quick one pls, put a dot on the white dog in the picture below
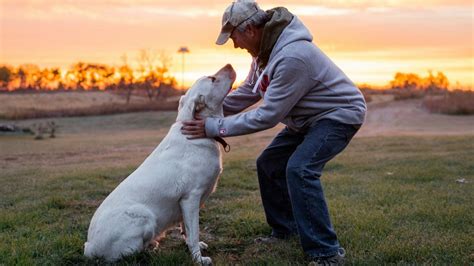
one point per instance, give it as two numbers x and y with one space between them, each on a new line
168 187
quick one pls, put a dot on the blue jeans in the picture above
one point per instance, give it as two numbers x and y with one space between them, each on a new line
289 172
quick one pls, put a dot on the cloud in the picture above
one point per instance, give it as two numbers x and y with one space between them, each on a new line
139 10
365 4
109 11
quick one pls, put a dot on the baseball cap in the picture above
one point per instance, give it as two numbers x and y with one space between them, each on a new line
235 14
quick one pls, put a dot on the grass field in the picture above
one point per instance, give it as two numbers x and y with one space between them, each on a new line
20 106
393 200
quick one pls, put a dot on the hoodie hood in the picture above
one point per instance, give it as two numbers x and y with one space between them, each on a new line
294 32
280 17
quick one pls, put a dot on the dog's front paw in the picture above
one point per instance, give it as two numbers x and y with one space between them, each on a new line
206 260
203 245
153 245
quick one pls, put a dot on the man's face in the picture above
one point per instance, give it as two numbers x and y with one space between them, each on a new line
247 40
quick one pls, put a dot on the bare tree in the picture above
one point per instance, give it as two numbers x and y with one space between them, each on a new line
167 82
22 75
126 82
54 78
53 127
155 78
146 63
39 129
5 77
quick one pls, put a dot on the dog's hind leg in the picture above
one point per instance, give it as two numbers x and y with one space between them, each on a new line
183 230
190 210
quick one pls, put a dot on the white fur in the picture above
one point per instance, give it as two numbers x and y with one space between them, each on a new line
168 187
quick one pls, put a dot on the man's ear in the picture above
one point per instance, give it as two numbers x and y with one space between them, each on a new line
199 104
251 30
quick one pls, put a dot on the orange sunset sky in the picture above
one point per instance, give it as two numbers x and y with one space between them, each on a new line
369 39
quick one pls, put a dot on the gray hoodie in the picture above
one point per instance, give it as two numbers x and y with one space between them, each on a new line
299 86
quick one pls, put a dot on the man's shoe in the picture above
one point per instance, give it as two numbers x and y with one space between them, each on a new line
334 260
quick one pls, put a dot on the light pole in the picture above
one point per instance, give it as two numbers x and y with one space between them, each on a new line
183 50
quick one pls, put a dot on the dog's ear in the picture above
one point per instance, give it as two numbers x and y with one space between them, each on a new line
199 104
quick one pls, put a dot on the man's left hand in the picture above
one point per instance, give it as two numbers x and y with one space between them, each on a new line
194 129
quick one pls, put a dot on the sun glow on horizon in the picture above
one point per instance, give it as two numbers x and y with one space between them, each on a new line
369 40
372 68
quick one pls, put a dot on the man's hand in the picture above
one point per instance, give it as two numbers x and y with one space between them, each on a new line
194 129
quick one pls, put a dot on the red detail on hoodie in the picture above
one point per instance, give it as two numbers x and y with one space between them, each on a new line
264 83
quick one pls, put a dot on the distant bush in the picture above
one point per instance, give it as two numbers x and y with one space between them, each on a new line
413 81
369 90
405 94
367 98
452 103
366 94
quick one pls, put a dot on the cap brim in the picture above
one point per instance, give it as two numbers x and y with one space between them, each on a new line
223 38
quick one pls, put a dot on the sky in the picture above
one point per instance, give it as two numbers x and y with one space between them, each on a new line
370 40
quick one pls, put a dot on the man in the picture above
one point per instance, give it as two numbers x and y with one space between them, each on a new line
321 108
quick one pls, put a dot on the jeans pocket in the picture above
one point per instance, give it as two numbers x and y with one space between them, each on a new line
346 130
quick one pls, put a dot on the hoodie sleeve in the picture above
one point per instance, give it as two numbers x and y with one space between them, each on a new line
290 82
243 96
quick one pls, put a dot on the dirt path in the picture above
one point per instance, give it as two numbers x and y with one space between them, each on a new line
387 117
392 118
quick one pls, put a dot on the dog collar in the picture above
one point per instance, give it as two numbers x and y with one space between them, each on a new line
223 143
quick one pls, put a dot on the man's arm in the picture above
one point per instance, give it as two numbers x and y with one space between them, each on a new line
290 82
242 97
234 103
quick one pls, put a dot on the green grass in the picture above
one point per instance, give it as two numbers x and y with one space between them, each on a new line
393 200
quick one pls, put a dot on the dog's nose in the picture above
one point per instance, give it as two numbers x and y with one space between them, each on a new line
228 67
233 74
230 70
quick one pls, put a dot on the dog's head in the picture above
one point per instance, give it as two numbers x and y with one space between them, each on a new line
207 94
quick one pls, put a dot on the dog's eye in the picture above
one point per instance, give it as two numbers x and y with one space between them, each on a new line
212 78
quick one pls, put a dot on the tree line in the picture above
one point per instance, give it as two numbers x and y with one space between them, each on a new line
150 77
410 81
